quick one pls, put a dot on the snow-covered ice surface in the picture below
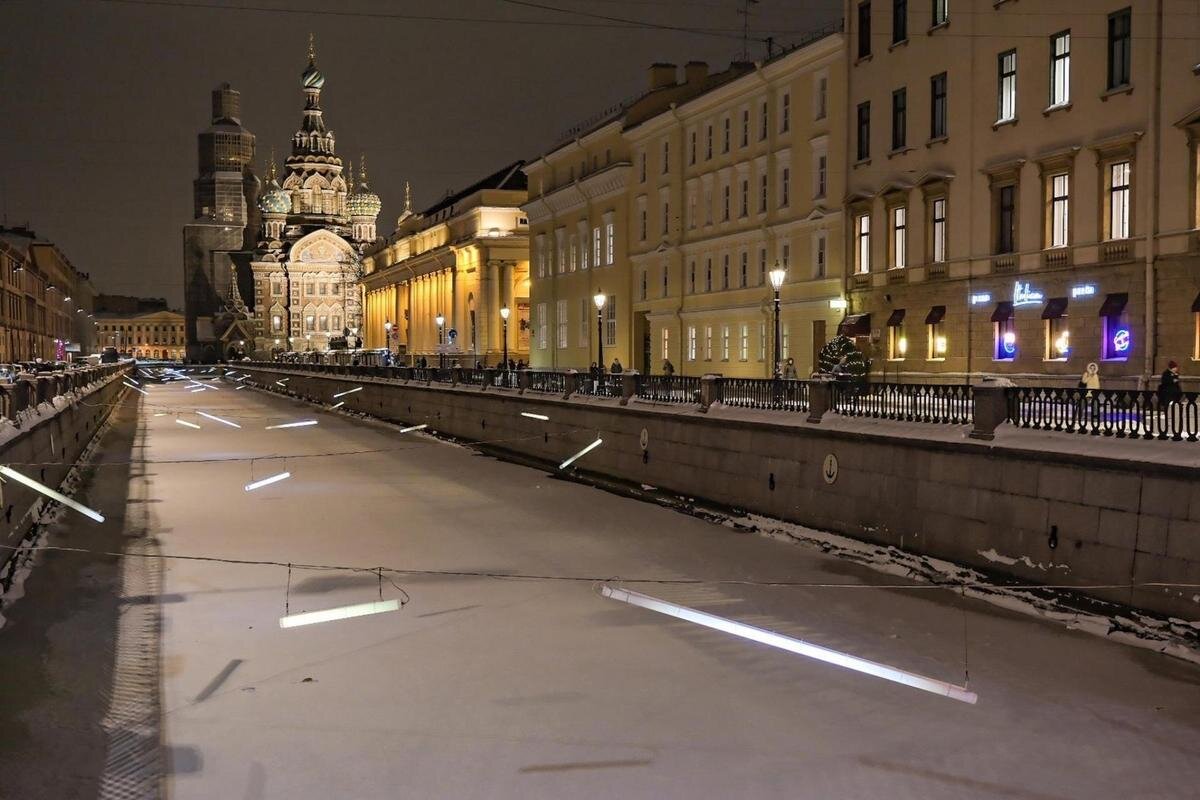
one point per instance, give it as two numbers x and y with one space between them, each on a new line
531 688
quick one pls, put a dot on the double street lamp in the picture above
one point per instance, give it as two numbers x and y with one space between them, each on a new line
777 277
599 299
504 312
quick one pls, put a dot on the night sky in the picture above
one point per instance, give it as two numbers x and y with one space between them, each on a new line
100 102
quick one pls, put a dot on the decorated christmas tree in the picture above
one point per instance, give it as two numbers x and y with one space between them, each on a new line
841 347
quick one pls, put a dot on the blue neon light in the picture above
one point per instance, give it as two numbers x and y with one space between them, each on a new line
1121 340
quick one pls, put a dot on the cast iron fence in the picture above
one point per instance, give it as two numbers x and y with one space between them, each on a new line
947 404
552 382
669 388
777 394
1120 413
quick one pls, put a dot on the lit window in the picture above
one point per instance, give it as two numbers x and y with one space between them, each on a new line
938 231
744 346
1060 69
899 237
1004 334
666 343
1060 200
611 231
1058 339
708 346
897 343
724 342
691 345
1118 193
562 321
863 228
610 321
941 12
1007 100
542 332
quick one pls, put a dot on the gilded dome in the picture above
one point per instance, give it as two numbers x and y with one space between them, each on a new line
275 200
312 77
362 202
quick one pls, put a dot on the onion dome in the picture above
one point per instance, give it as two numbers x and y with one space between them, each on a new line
362 202
274 200
312 77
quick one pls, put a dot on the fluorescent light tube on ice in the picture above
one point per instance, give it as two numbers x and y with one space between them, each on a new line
343 612
46 490
250 487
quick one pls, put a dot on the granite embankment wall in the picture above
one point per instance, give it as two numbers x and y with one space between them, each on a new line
1048 516
48 421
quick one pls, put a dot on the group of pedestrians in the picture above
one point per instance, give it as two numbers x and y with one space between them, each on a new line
1170 390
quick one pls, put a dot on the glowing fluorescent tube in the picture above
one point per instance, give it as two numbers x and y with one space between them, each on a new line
188 424
53 495
215 418
797 646
343 612
129 378
161 414
201 389
348 391
338 404
413 428
136 388
581 453
531 415
300 424
282 382
243 386
247 375
282 476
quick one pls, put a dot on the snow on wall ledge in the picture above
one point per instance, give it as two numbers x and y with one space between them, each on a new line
54 433
1046 517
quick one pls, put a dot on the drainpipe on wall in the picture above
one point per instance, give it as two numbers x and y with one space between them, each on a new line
1148 366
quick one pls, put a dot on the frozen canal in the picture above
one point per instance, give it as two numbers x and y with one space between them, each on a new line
486 687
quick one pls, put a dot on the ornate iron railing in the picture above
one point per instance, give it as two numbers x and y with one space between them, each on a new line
769 393
948 404
471 377
1120 413
669 388
507 379
553 382
604 384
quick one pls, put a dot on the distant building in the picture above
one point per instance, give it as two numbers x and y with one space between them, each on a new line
152 334
465 257
45 302
127 304
302 282
223 229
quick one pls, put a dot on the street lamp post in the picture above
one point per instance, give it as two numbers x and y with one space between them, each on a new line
599 299
504 312
777 276
387 334
441 321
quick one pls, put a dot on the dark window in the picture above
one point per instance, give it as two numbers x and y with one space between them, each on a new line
899 20
864 30
864 131
1120 39
937 115
941 11
1006 220
1006 91
899 118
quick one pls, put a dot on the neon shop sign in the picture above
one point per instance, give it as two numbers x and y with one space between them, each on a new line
1024 295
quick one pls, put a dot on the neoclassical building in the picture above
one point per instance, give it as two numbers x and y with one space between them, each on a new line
315 226
463 259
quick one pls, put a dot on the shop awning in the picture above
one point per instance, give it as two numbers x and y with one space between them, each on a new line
1114 304
1055 308
1003 312
935 315
856 325
897 318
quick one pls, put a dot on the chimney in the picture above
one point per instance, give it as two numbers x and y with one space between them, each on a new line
695 71
662 75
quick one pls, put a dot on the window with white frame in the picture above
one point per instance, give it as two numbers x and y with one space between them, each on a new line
862 227
941 12
820 175
785 180
762 341
692 277
585 321
725 271
725 202
820 254
785 254
691 207
692 147
596 261
539 249
666 343
1006 67
899 237
610 231
572 253
1118 200
744 342
583 245
708 144
821 97
691 343
1060 209
543 332
560 236
562 322
938 229
708 343
785 112
785 344
724 342
610 321
1060 69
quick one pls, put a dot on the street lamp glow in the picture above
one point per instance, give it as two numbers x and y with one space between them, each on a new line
342 612
797 646
504 312
53 495
387 326
599 299
282 476
777 276
440 320
221 420
301 424
581 453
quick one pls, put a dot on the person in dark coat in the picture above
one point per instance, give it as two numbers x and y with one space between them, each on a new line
668 368
616 368
1169 389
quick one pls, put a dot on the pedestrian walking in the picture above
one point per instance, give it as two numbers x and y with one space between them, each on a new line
616 368
1169 389
1089 384
668 368
789 369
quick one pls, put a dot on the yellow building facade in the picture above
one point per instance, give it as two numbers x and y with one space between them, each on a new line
676 206
156 334
463 259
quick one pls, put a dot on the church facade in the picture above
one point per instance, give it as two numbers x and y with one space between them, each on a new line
275 267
